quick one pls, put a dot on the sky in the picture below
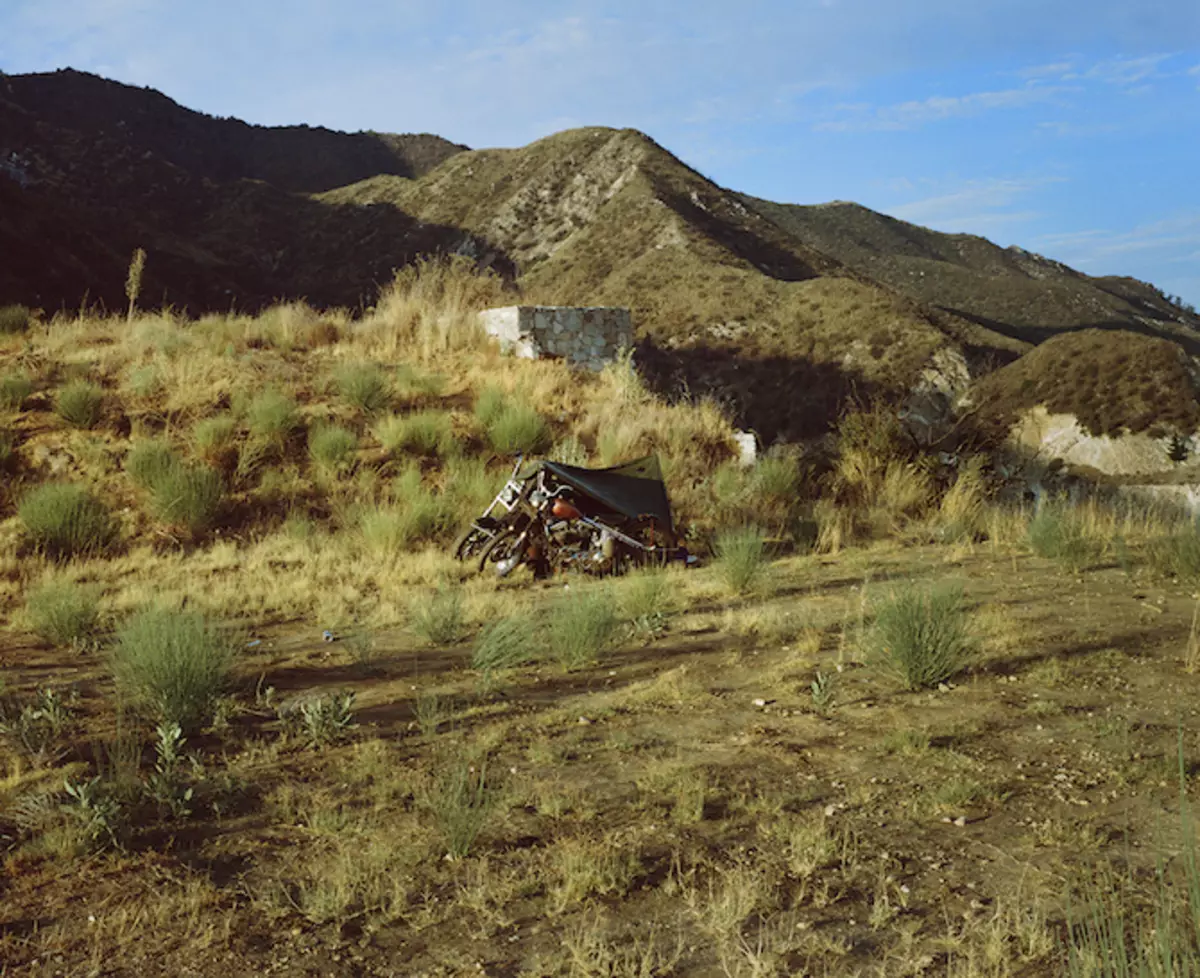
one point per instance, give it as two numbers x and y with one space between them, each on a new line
1067 127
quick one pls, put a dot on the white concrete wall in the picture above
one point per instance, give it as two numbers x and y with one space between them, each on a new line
588 336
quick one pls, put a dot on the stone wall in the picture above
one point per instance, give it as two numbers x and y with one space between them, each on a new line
585 336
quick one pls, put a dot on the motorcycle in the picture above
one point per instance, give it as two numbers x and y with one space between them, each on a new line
556 517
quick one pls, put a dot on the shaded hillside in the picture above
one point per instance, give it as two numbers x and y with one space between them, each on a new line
296 158
1011 291
1111 380
76 204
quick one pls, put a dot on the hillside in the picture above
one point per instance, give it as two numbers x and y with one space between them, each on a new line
782 312
1014 292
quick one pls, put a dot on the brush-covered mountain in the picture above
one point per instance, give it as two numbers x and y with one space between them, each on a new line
783 310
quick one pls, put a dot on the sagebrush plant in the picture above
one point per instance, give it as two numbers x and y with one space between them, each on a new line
80 403
741 558
64 520
363 386
174 664
582 626
15 388
14 319
923 635
64 612
333 448
319 719
438 618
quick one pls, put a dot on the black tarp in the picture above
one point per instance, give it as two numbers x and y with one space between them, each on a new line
634 489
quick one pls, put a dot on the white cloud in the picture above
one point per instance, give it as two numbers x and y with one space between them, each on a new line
1041 72
975 206
1127 72
937 108
1094 247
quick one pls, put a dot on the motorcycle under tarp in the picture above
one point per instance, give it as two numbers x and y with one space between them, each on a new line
634 489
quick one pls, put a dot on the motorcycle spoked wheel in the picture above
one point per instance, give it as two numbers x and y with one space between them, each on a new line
509 542
477 537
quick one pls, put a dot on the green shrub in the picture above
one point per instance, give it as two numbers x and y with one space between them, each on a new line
189 496
504 644
79 403
14 389
582 625
364 386
469 487
644 599
173 664
149 461
14 319
272 416
439 620
63 613
333 448
741 558
391 529
1059 534
145 381
426 433
518 428
64 520
923 636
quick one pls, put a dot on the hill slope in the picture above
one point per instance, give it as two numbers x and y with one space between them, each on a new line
781 311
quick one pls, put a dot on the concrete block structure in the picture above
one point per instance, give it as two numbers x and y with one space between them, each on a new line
585 336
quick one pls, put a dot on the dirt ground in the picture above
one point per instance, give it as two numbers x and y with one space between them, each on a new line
689 805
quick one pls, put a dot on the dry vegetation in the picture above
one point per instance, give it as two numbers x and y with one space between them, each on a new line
897 727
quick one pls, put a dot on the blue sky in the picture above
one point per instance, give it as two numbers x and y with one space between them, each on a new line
1068 127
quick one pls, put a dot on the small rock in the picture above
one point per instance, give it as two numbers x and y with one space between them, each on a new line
760 702
960 821
584 722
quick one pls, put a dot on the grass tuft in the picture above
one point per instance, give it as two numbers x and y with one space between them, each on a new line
189 496
149 461
333 448
741 558
65 520
427 433
64 613
174 664
79 404
519 428
439 619
14 389
1057 532
272 416
504 644
14 319
923 636
582 626
363 386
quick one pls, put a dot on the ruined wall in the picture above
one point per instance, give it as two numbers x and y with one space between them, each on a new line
586 336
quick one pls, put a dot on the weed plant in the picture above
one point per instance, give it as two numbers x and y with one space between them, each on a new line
1178 554
320 720
15 388
582 626
64 613
64 520
923 636
461 801
438 620
644 601
34 724
79 404
741 558
174 664
489 405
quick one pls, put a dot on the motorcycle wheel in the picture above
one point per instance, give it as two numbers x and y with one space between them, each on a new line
473 541
502 546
